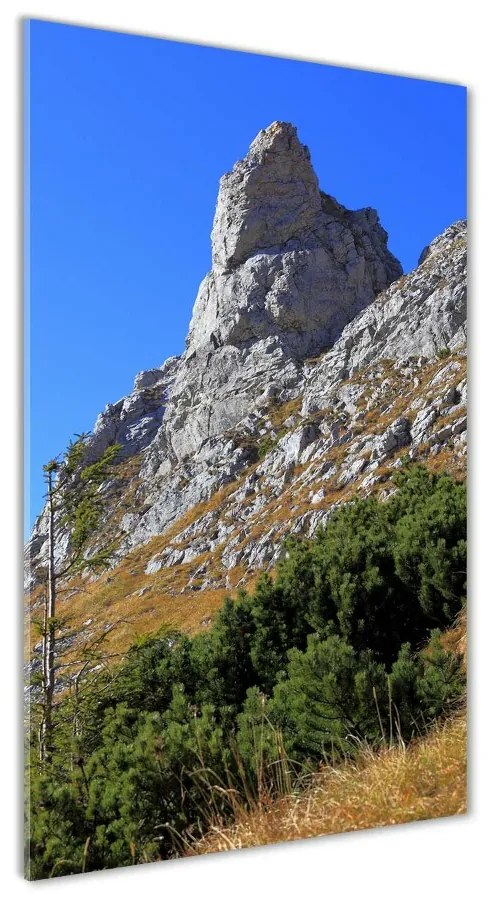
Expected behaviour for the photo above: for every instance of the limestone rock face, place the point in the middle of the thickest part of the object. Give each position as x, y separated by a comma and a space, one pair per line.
311, 367
291, 267
134, 420
417, 316
289, 262
269, 198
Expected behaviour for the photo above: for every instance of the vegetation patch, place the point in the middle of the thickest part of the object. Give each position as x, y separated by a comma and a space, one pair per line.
341, 655
424, 780
278, 413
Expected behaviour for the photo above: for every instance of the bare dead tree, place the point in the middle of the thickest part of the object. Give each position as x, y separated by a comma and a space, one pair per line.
74, 505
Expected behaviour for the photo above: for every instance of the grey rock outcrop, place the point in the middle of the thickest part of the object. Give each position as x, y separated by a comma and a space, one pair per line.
289, 262
301, 310
418, 316
410, 322
134, 420
395, 437
291, 267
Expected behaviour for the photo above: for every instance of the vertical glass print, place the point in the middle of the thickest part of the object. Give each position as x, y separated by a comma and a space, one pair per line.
245, 557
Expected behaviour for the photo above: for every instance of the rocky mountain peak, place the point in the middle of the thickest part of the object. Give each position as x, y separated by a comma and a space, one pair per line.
291, 267
269, 197
310, 364
278, 136
290, 263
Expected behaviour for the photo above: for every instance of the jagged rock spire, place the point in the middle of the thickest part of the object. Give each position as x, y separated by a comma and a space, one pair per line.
269, 197
291, 268
290, 264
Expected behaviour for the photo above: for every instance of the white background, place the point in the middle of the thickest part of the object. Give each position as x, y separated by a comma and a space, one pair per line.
439, 40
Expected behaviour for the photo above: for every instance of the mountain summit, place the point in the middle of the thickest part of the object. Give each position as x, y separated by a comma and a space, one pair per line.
312, 368
291, 267
289, 262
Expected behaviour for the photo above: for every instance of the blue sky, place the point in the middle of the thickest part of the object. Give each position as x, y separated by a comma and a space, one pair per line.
128, 137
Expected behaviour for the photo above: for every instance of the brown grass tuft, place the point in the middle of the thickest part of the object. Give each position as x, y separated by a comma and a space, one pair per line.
424, 780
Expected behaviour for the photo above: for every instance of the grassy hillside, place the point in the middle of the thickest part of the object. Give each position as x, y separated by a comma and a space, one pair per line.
424, 780
136, 602
343, 654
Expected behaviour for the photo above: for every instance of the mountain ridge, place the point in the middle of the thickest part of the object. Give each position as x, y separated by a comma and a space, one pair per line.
312, 368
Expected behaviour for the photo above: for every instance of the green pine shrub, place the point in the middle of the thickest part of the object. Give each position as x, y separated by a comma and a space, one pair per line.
340, 648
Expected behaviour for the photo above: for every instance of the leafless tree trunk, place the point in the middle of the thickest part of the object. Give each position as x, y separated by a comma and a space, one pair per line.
59, 477
49, 638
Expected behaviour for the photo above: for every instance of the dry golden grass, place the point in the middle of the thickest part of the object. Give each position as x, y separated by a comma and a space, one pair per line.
446, 462
279, 413
424, 780
454, 639
113, 598
166, 597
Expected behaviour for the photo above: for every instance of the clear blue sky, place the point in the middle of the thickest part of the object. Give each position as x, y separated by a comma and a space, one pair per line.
128, 138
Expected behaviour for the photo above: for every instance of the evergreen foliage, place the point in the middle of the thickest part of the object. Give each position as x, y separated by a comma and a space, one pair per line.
79, 500
73, 500
341, 647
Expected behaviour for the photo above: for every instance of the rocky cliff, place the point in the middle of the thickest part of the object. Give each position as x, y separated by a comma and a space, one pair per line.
313, 368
